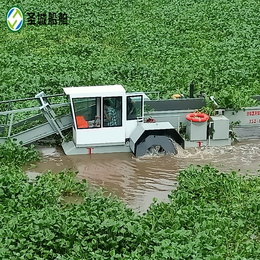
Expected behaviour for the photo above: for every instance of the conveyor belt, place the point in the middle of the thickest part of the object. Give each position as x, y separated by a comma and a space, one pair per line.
38, 132
54, 124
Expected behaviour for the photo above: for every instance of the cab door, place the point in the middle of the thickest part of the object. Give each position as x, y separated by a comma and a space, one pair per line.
134, 111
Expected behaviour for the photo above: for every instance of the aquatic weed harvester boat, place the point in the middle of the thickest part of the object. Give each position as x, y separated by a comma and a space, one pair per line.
107, 119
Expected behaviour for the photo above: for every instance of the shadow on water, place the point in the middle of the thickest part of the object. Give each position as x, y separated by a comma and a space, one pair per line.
137, 181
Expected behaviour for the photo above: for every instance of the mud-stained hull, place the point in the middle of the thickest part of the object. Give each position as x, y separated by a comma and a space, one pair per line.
70, 148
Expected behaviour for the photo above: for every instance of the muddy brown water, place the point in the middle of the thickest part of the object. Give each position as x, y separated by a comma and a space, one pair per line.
136, 181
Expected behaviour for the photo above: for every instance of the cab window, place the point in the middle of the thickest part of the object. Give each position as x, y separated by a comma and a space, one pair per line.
134, 107
87, 112
112, 111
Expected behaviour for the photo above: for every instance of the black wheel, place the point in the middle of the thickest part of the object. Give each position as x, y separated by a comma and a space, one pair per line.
154, 145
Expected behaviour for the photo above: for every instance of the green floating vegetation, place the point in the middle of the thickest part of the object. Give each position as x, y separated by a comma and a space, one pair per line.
12, 153
211, 215
144, 45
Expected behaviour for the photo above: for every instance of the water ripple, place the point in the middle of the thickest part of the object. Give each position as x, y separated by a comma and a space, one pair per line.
137, 181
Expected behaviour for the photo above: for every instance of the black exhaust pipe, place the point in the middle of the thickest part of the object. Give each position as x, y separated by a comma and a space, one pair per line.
192, 90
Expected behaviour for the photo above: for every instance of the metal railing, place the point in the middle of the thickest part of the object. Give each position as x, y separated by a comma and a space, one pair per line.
32, 114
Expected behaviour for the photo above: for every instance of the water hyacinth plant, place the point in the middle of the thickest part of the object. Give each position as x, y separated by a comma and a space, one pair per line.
143, 45
211, 215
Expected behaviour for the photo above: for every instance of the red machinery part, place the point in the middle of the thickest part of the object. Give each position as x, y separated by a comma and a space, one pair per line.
150, 120
197, 117
81, 122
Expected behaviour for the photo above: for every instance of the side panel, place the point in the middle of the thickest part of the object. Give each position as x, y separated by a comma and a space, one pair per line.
130, 126
99, 136
248, 117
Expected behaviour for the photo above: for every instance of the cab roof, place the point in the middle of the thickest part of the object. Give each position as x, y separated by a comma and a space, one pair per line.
92, 91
